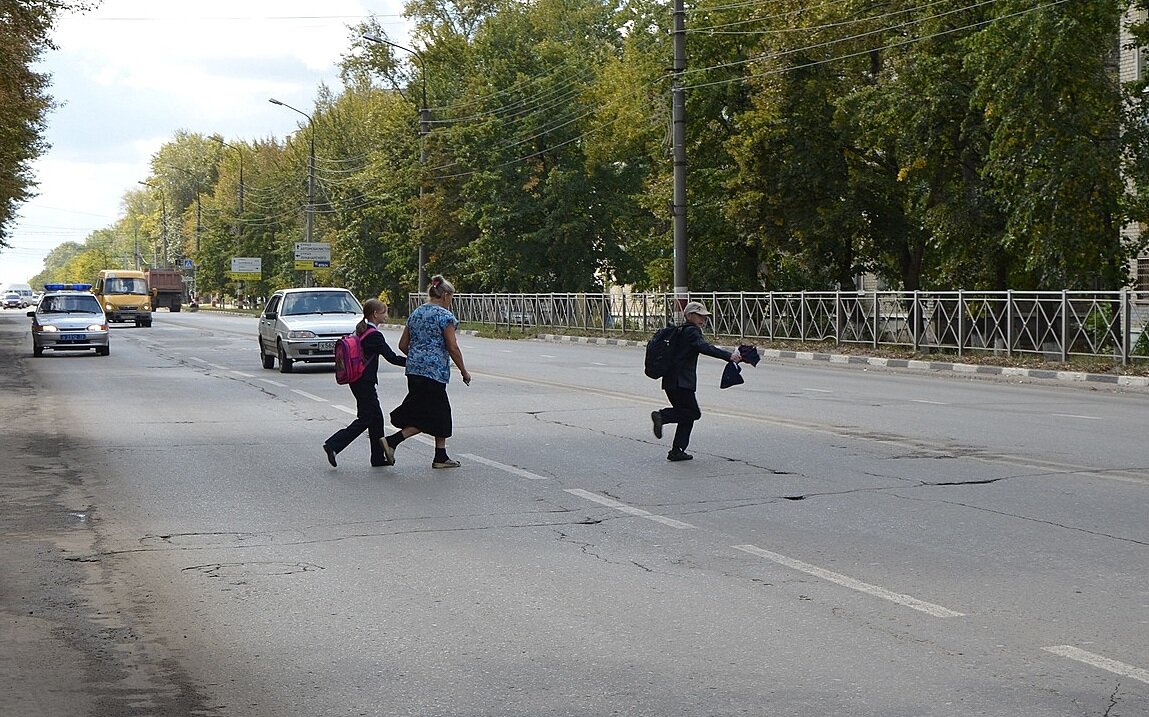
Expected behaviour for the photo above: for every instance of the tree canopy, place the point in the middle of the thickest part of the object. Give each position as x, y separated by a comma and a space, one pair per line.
526, 147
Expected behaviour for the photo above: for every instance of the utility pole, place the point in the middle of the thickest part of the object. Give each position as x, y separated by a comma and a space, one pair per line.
424, 130
678, 134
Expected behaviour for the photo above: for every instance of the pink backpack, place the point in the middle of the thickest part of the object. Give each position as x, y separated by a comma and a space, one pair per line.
349, 363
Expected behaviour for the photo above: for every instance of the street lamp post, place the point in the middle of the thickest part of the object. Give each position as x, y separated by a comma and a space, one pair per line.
309, 218
163, 219
424, 129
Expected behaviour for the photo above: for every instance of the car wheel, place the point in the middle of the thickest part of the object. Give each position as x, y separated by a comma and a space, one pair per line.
285, 364
104, 351
268, 359
37, 351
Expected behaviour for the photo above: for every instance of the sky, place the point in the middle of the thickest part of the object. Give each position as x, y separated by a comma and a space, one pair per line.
132, 73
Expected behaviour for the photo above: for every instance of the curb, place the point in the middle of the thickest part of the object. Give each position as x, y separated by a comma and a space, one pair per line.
912, 364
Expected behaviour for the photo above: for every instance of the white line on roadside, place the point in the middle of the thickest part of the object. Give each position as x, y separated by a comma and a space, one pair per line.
1074, 415
504, 467
611, 503
547, 355
818, 390
196, 358
848, 582
312, 396
241, 373
345, 409
1104, 663
221, 368
274, 383
932, 403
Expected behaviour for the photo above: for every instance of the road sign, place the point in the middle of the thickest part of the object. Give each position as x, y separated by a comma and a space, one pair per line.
312, 255
189, 264
246, 268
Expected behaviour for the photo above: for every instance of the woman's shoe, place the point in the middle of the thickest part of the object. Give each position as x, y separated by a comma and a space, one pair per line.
449, 463
388, 452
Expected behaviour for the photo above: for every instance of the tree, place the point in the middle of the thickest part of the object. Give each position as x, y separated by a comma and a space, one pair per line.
25, 26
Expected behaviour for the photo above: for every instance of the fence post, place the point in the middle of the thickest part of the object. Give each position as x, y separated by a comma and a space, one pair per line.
1126, 325
802, 315
961, 321
837, 317
1064, 326
1009, 323
915, 320
874, 314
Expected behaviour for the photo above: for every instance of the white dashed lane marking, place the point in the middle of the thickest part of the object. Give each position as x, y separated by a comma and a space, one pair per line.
504, 467
1104, 663
630, 510
848, 582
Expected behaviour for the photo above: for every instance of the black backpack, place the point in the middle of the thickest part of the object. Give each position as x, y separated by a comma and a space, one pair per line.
660, 352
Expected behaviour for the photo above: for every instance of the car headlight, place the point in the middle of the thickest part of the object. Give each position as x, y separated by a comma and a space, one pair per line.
48, 328
97, 327
301, 335
108, 306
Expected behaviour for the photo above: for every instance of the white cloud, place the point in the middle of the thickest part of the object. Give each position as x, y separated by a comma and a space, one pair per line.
133, 72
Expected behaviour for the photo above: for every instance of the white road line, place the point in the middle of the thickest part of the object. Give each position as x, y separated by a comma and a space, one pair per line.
546, 355
241, 373
274, 383
1103, 663
611, 503
504, 467
196, 358
818, 390
345, 409
312, 396
848, 582
932, 403
1074, 415
221, 368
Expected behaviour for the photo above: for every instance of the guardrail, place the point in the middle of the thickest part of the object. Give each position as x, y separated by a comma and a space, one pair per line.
1055, 325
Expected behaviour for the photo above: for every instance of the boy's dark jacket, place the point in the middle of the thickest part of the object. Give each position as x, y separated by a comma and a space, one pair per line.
689, 343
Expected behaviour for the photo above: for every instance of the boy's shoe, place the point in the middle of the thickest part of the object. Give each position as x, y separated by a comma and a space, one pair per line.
388, 452
330, 455
656, 420
678, 454
449, 463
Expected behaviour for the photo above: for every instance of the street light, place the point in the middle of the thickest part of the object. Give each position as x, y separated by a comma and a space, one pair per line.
163, 218
424, 129
309, 218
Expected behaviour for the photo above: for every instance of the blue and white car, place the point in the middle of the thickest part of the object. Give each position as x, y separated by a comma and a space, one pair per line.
69, 318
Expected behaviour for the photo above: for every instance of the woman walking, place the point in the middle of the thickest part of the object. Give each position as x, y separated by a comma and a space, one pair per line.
368, 415
429, 342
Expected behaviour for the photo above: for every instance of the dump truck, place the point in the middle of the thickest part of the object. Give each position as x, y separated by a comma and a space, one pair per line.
167, 288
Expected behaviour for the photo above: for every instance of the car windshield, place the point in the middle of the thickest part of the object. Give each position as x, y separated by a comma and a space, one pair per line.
69, 305
320, 302
126, 286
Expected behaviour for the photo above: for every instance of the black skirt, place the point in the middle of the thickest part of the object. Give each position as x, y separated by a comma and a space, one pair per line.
426, 407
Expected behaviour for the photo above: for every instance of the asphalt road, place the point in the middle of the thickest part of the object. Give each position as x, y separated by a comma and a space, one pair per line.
847, 541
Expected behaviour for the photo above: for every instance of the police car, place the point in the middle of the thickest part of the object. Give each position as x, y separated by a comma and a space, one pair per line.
69, 318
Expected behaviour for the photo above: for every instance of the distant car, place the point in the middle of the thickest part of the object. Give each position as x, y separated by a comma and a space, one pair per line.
303, 325
69, 318
12, 300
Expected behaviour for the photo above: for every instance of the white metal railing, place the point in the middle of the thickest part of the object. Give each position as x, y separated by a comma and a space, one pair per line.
1053, 324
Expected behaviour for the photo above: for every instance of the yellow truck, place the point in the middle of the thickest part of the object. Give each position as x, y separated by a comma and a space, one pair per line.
124, 295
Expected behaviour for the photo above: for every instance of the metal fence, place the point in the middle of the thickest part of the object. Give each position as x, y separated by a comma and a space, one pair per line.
1055, 325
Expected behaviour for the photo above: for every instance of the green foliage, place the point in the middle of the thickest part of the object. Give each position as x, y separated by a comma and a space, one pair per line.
941, 145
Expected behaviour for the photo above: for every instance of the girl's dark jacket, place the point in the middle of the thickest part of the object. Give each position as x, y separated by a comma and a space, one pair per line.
375, 345
688, 344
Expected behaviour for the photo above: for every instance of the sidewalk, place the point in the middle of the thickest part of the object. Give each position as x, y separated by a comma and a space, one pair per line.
910, 364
